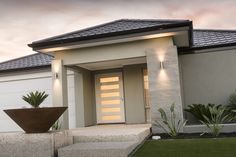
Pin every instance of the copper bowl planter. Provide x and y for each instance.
(35, 120)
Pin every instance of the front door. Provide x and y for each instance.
(109, 98)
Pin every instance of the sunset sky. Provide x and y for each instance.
(24, 21)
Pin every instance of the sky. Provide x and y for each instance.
(24, 21)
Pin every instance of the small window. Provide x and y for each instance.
(146, 95)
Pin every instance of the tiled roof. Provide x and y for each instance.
(30, 61)
(208, 38)
(202, 39)
(111, 29)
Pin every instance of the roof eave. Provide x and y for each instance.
(191, 34)
(185, 50)
(25, 68)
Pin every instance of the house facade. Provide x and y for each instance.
(125, 70)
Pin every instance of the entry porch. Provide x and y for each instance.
(122, 83)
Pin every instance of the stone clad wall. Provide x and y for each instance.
(164, 84)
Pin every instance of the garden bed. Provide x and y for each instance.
(205, 147)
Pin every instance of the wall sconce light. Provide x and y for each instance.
(161, 65)
(56, 75)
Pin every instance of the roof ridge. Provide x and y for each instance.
(14, 59)
(155, 20)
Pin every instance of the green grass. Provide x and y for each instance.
(220, 147)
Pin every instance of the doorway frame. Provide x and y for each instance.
(97, 97)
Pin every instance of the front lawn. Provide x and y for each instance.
(219, 147)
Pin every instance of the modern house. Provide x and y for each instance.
(123, 71)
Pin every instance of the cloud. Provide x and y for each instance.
(24, 21)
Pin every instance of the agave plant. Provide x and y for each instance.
(35, 98)
(170, 124)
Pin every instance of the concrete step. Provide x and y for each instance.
(111, 134)
(98, 149)
(105, 141)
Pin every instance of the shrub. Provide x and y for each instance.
(232, 99)
(35, 98)
(200, 111)
(56, 126)
(216, 119)
(170, 124)
(232, 105)
(211, 115)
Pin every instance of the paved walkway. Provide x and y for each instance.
(106, 140)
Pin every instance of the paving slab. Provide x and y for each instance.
(98, 149)
(105, 140)
(111, 133)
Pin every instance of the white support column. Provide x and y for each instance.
(164, 81)
(59, 94)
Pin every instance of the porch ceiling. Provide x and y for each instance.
(112, 64)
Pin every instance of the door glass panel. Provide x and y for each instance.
(109, 79)
(108, 87)
(111, 94)
(114, 117)
(105, 110)
(110, 102)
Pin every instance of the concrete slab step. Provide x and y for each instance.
(105, 140)
(111, 134)
(98, 149)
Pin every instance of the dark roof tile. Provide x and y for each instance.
(114, 28)
(206, 38)
(30, 61)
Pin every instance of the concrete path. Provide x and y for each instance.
(105, 140)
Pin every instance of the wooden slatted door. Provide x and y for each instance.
(109, 98)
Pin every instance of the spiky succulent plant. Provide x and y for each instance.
(35, 98)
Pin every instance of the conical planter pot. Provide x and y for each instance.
(35, 120)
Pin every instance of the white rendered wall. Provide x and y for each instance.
(13, 86)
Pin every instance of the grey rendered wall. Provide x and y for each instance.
(134, 96)
(84, 97)
(208, 77)
(88, 91)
